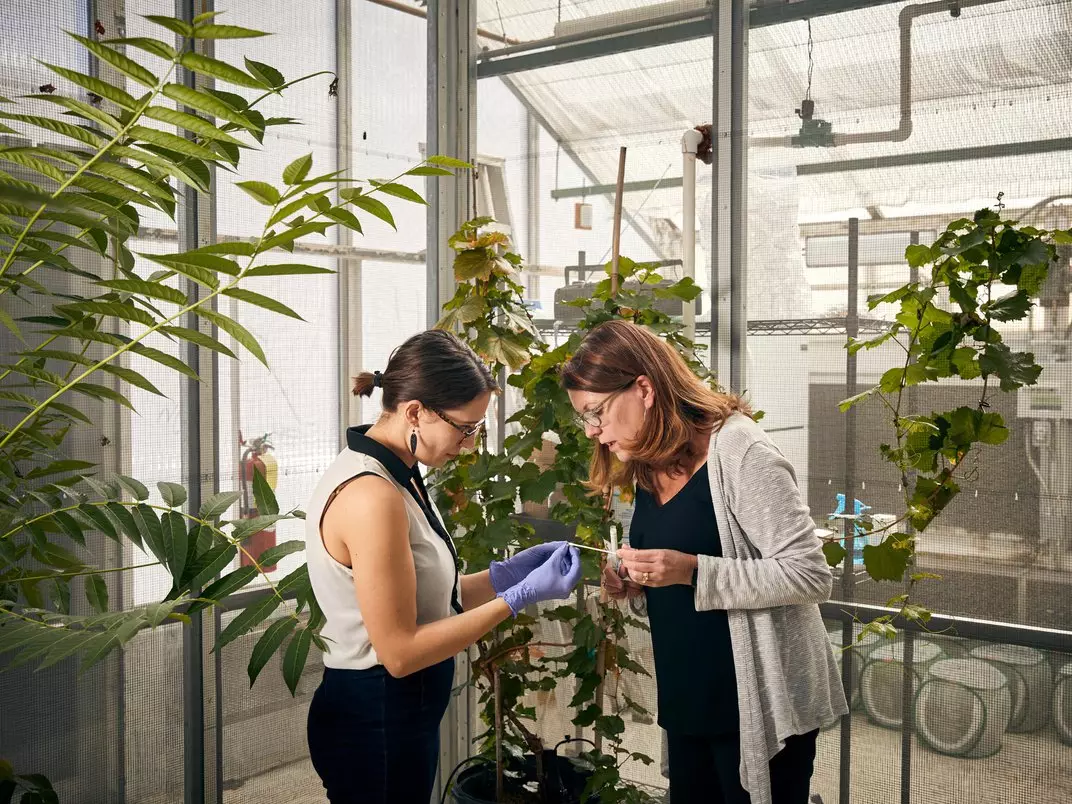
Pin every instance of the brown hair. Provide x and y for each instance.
(610, 358)
(433, 367)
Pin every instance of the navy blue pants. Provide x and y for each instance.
(374, 739)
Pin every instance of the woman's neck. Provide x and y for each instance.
(387, 433)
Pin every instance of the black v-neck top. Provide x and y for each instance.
(694, 672)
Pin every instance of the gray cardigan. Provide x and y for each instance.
(770, 578)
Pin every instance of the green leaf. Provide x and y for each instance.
(214, 68)
(164, 359)
(259, 300)
(199, 339)
(20, 157)
(267, 645)
(886, 561)
(97, 519)
(288, 209)
(181, 264)
(1014, 369)
(95, 85)
(177, 26)
(225, 32)
(154, 46)
(967, 367)
(10, 325)
(400, 191)
(247, 620)
(217, 505)
(206, 104)
(286, 269)
(286, 239)
(211, 564)
(173, 142)
(425, 170)
(61, 595)
(132, 377)
(271, 556)
(345, 217)
(97, 593)
(371, 205)
(261, 192)
(236, 331)
(295, 657)
(153, 290)
(136, 488)
(173, 494)
(845, 404)
(175, 543)
(447, 161)
(835, 553)
(91, 138)
(1011, 307)
(238, 248)
(263, 494)
(70, 526)
(296, 171)
(101, 392)
(191, 123)
(120, 62)
(265, 73)
(221, 588)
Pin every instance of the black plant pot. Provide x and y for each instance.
(567, 779)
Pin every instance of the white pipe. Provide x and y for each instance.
(690, 142)
(904, 129)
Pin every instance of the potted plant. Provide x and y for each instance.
(481, 494)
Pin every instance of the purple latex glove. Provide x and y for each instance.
(514, 570)
(552, 580)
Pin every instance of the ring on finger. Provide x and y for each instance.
(647, 577)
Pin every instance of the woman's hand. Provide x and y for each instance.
(658, 567)
(618, 588)
(504, 574)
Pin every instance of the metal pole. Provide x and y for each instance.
(616, 234)
(907, 691)
(738, 196)
(852, 328)
(193, 671)
(349, 336)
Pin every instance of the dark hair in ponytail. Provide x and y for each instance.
(433, 367)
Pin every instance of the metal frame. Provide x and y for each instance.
(452, 48)
(729, 218)
(623, 38)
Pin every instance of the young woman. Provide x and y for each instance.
(384, 571)
(724, 548)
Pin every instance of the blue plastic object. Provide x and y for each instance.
(858, 508)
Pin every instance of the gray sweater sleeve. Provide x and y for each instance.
(761, 494)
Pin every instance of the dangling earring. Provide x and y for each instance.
(413, 443)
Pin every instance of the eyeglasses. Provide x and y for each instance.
(467, 430)
(594, 417)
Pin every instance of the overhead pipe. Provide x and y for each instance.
(413, 11)
(903, 131)
(905, 19)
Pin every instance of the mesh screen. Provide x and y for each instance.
(982, 108)
(989, 113)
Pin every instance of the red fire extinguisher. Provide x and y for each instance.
(255, 458)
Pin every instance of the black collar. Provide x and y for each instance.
(358, 441)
